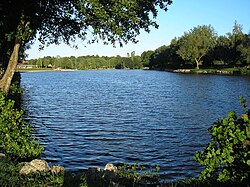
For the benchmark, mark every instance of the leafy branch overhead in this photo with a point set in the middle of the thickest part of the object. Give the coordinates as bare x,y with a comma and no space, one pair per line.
112,21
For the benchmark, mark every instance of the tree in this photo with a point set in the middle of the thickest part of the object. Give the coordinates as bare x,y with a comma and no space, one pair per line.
145,57
173,60
236,38
196,43
158,58
244,49
16,30
132,56
222,50
115,21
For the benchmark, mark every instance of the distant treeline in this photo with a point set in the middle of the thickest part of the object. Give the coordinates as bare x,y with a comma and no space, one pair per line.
90,62
199,47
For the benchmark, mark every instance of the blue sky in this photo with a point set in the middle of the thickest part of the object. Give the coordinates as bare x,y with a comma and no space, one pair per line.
182,16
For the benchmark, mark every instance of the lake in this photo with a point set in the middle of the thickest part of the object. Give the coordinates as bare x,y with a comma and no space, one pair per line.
90,118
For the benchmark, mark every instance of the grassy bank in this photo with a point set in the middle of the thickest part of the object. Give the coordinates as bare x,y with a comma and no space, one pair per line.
36,70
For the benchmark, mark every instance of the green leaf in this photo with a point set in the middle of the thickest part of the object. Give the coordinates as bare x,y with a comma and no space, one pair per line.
248,131
218,152
248,162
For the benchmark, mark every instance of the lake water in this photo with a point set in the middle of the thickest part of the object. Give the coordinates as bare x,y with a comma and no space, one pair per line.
90,118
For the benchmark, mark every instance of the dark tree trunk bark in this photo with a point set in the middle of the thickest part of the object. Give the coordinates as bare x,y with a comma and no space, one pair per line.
9,72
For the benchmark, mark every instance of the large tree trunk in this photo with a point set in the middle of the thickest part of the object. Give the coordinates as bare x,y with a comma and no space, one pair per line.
9,72
197,64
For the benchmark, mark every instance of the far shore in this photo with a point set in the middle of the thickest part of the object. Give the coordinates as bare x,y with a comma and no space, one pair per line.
42,70
225,71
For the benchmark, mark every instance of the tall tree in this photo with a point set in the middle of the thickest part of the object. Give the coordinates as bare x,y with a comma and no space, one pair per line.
113,21
244,48
145,57
16,30
196,43
173,60
158,58
236,38
222,50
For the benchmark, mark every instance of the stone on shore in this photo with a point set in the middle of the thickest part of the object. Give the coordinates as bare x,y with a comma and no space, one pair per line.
57,170
111,167
34,166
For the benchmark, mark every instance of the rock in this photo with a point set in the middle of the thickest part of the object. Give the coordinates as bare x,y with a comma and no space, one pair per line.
57,170
182,71
36,165
110,167
27,170
40,165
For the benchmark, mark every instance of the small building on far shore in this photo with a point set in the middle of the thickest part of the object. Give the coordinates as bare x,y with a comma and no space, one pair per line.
50,66
26,66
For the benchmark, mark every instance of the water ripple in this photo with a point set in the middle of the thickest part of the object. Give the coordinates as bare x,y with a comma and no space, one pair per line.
146,117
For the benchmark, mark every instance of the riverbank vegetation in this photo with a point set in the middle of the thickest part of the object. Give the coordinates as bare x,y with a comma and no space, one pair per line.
16,139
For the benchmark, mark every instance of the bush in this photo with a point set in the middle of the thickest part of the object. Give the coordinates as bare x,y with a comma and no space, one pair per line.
218,62
244,71
227,156
137,174
16,139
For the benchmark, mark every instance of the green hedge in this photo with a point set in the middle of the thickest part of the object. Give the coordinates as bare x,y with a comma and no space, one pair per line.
16,139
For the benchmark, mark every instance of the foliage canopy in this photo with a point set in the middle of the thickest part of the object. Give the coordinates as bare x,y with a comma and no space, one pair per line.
112,21
196,43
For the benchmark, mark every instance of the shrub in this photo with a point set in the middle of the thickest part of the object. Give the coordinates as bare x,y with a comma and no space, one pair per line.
244,71
137,174
16,139
218,62
227,156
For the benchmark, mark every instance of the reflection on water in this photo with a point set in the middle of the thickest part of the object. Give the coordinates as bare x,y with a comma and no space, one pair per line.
90,118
